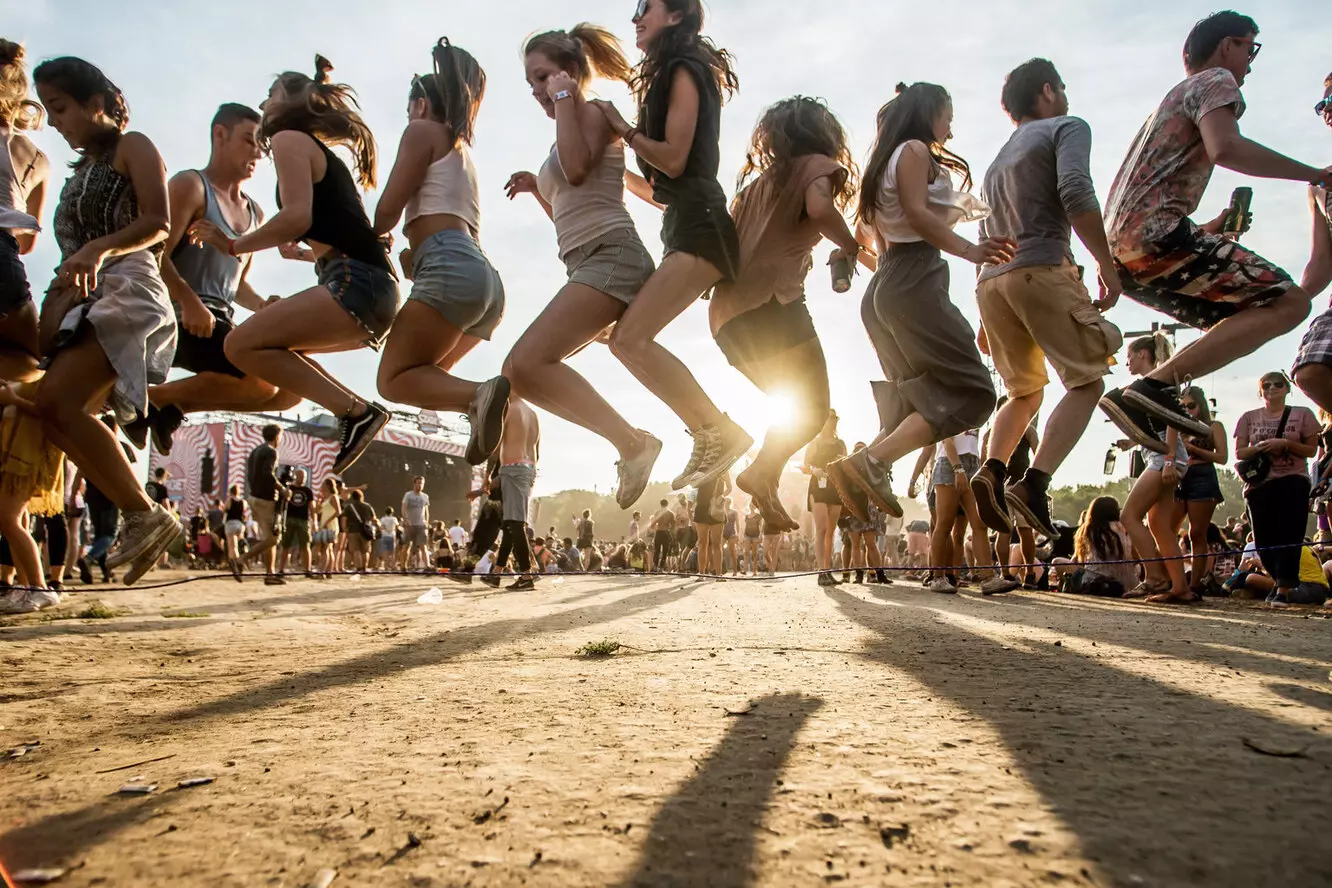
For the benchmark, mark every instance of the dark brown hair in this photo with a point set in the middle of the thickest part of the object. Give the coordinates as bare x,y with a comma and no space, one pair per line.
794,128
684,40
83,81
326,111
17,110
585,51
454,91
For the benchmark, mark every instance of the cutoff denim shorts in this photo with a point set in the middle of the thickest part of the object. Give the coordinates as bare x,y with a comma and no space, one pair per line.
451,275
367,292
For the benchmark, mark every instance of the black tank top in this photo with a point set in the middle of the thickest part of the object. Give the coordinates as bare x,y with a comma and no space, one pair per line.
337,216
235,510
698,182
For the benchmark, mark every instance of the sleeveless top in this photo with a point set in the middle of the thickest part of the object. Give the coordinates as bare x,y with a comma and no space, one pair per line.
953,207
698,182
586,212
235,510
337,216
1321,199
213,275
451,187
826,451
13,194
95,202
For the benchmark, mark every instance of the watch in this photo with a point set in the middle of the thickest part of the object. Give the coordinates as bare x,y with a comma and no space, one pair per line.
563,94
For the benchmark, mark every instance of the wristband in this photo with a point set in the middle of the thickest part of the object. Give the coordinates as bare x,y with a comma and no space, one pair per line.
563,94
1169,462
629,136
959,470
231,247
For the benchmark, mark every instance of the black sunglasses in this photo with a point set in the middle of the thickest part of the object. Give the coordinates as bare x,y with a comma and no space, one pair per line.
1254,47
1323,106
1273,384
641,10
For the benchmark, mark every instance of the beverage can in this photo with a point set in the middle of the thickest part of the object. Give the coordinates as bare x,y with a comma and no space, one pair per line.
1240,202
842,269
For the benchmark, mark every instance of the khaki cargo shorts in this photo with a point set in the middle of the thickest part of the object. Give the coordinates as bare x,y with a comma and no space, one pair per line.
1040,313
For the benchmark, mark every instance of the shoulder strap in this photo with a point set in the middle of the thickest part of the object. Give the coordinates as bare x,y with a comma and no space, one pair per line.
1281,429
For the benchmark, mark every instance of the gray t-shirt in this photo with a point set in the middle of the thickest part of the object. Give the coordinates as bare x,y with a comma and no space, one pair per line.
1040,178
413,508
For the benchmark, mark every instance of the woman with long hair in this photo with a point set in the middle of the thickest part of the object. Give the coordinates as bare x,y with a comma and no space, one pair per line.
1102,552
1287,436
457,298
1153,495
680,85
937,386
797,180
107,324
709,522
823,502
581,188
236,514
1199,491
24,171
356,298
329,512
955,512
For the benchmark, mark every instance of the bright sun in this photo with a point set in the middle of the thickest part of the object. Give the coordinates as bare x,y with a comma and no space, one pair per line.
780,410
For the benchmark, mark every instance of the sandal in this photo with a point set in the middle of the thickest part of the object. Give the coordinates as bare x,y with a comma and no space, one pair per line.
1188,597
1148,588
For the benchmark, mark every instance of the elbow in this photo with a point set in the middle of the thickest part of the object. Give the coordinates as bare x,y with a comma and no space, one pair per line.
300,222
1224,153
159,227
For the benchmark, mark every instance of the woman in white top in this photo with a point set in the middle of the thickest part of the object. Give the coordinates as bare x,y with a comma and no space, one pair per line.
955,511
23,175
937,385
581,188
457,299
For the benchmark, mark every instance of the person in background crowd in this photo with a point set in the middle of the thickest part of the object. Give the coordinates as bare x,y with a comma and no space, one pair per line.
1102,553
415,513
32,484
753,534
520,449
1199,491
265,493
325,537
296,526
586,529
1283,438
709,522
457,534
730,533
236,514
824,501
662,527
361,522
386,554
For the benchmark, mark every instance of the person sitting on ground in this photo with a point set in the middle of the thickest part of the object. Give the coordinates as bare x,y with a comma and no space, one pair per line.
1102,554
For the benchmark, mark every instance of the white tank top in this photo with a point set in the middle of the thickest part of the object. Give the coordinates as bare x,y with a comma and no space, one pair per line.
588,211
13,194
966,443
953,207
450,187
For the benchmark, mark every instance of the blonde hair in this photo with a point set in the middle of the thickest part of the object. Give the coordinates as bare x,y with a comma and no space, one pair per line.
328,112
1157,344
585,51
17,110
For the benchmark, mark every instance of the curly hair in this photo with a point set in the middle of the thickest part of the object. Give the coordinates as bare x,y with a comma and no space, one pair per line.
326,111
17,110
585,51
794,128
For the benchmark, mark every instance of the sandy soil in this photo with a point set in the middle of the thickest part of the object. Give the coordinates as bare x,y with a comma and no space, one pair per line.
768,733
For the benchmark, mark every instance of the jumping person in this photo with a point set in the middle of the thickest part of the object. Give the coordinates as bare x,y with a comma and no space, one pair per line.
205,285
1197,274
24,172
112,333
519,451
937,386
356,298
1313,365
581,187
1036,308
679,86
457,299
803,179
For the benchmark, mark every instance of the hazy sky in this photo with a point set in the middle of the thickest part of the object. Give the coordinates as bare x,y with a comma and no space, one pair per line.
177,61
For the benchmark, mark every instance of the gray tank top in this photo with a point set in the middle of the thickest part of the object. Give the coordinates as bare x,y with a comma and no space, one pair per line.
213,275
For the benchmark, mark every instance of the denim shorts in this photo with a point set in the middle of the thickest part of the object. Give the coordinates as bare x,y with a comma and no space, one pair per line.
616,264
234,527
367,292
1156,461
943,470
324,537
451,275
14,289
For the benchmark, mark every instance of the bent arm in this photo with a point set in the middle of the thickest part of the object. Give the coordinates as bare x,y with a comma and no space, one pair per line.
186,195
823,211
671,155
293,154
1226,147
913,181
640,188
409,172
581,137
147,173
1318,273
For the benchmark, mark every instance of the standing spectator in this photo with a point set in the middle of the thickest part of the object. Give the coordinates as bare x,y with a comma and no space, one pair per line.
457,535
296,529
360,523
520,448
709,521
730,533
586,535
234,526
662,526
330,519
265,490
416,525
1199,491
387,556
157,489
753,532
1283,438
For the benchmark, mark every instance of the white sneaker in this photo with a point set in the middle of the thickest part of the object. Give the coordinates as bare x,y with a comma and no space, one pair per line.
28,602
12,601
635,473
139,532
152,555
942,585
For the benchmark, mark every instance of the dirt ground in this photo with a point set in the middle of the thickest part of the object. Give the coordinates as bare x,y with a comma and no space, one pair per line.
747,733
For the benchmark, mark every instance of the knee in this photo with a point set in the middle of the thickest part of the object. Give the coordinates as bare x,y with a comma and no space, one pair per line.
283,400
1315,380
1293,306
388,383
628,344
521,367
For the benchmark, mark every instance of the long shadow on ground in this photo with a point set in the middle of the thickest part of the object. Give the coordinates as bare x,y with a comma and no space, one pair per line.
705,833
1157,784
431,650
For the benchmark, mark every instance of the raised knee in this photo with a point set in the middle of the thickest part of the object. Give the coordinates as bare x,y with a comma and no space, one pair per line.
1315,378
1294,306
283,400
626,345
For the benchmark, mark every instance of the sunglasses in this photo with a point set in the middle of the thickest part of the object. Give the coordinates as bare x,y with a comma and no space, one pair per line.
1254,47
1322,106
1273,385
642,9
1189,405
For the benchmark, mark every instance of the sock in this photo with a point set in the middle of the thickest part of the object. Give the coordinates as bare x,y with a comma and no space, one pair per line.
1037,479
999,469
880,576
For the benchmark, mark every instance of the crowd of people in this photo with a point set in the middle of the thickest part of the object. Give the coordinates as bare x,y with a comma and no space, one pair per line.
152,268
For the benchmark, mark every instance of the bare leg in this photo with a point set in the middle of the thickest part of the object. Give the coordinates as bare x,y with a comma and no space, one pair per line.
678,281
1142,497
1010,424
1236,336
220,391
941,538
18,345
23,548
1159,518
421,349
1200,519
911,435
1315,380
1066,425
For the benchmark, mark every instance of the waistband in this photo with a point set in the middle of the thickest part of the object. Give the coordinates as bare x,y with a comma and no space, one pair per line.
521,462
916,247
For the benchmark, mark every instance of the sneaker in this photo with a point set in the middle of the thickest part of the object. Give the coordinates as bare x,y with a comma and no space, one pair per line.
997,585
1131,421
854,500
165,422
1278,599
274,580
942,585
140,531
1162,403
826,579
492,580
1034,507
459,577
876,481
486,414
989,490
168,531
137,432
357,433
525,584
85,572
726,444
28,602
882,578
635,473
695,458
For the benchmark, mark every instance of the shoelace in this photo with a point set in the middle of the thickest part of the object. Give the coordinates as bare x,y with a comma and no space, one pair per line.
713,450
696,456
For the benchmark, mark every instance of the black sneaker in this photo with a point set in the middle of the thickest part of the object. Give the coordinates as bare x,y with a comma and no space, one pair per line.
877,482
525,584
486,414
1162,403
274,580
358,432
989,490
85,572
165,422
1131,421
237,569
1033,506
491,580
137,431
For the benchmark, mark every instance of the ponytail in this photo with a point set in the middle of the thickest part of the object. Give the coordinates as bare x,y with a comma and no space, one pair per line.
460,85
17,111
1157,345
326,111
586,51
